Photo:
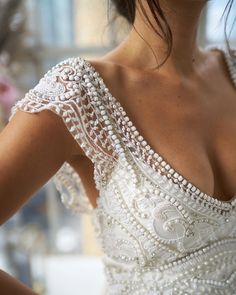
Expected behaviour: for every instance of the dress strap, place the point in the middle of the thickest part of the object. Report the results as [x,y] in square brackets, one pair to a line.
[229,58]
[231,62]
[71,91]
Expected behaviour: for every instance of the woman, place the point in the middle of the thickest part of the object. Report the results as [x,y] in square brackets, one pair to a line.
[158,180]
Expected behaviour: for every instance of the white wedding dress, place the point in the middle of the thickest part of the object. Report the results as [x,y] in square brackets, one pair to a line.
[160,233]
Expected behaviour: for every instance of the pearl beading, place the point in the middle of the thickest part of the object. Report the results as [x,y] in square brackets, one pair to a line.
[172,189]
[126,171]
[201,253]
[128,215]
[126,218]
[66,90]
[140,147]
[193,266]
[160,165]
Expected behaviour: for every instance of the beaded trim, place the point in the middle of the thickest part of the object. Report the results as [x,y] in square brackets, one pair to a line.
[139,146]
[69,91]
[189,269]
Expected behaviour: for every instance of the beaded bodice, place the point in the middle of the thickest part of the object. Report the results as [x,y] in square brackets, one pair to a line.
[160,233]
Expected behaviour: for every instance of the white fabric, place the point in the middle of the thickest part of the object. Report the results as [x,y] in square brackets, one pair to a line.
[160,233]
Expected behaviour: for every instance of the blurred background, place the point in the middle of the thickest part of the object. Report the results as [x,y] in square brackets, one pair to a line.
[45,245]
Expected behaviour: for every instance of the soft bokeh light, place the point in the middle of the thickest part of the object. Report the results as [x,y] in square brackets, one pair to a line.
[45,245]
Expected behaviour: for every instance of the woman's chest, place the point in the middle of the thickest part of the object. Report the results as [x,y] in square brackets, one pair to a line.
[144,219]
[191,126]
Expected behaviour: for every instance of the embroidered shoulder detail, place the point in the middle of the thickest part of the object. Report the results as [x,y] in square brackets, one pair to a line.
[231,63]
[71,91]
[60,83]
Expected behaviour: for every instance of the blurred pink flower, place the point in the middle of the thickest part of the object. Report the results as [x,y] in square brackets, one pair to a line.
[8,95]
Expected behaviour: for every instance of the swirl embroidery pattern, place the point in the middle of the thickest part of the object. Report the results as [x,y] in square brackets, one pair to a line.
[160,234]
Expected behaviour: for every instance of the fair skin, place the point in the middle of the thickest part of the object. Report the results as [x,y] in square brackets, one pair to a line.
[184,90]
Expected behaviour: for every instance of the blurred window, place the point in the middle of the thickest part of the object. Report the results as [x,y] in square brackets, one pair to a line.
[58,29]
[214,27]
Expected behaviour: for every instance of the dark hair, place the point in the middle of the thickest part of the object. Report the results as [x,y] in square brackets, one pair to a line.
[127,9]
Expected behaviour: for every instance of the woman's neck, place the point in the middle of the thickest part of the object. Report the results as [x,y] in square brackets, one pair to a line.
[183,18]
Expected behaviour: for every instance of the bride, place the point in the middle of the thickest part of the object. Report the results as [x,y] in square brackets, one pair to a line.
[143,139]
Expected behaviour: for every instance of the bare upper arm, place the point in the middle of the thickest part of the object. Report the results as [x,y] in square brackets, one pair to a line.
[32,148]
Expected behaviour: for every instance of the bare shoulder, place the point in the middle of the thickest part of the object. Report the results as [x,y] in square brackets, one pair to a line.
[109,70]
[121,79]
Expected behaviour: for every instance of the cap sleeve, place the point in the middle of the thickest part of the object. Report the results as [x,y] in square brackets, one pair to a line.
[65,90]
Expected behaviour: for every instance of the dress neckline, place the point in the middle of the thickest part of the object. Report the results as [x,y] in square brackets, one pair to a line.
[160,160]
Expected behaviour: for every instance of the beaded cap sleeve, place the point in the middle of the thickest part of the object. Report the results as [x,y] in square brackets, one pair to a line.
[69,90]
[160,234]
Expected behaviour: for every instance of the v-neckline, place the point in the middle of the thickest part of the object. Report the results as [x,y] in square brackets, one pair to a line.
[157,156]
